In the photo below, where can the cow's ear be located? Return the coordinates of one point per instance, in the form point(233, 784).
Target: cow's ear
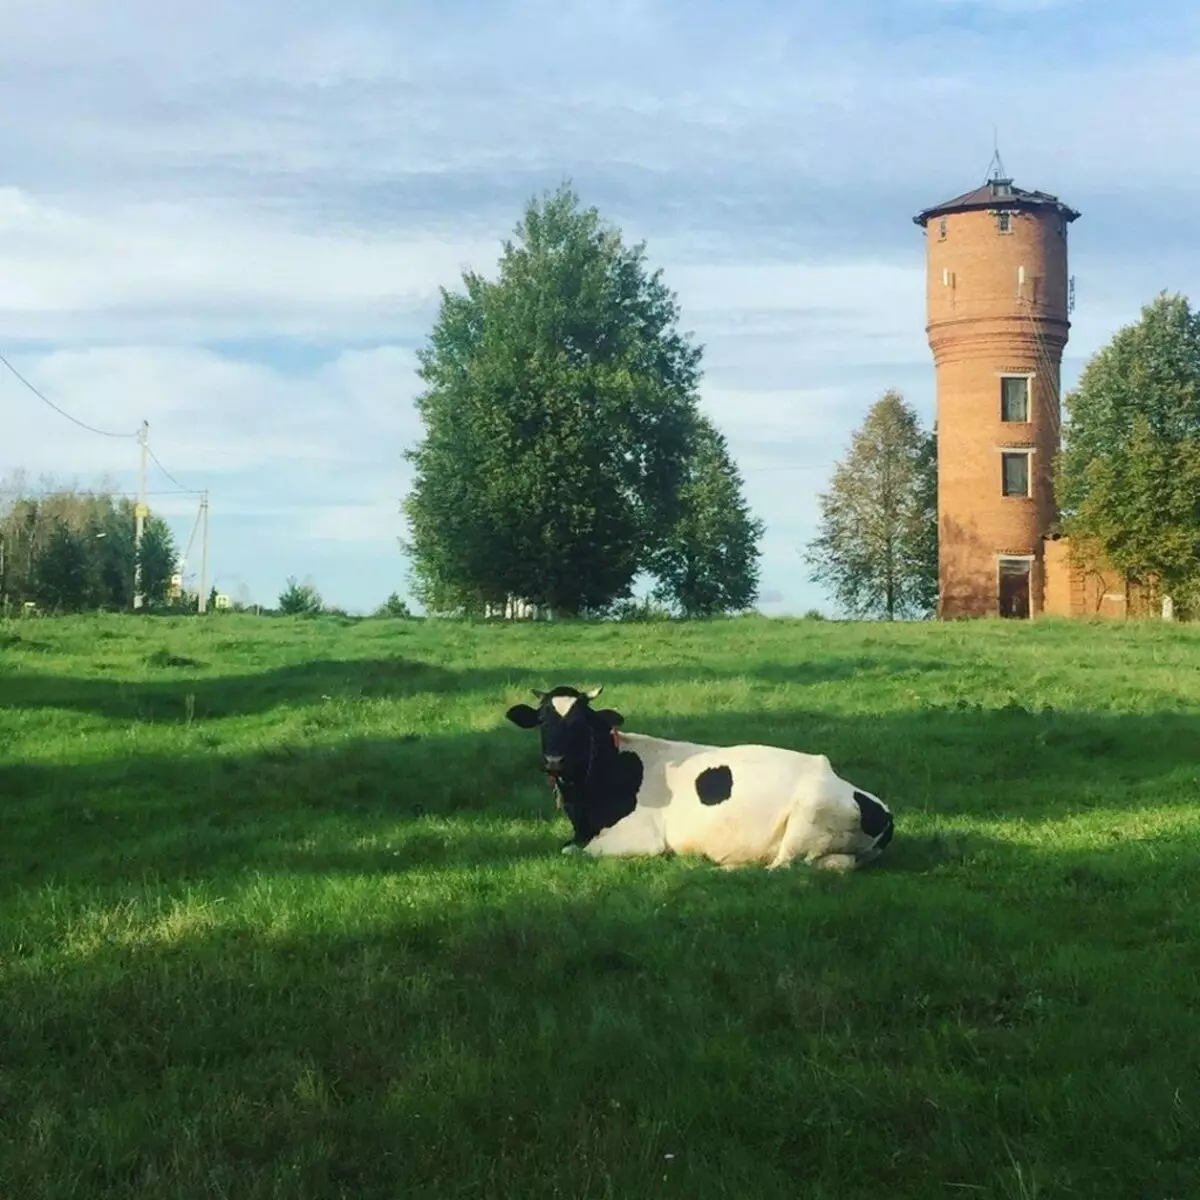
point(611, 715)
point(591, 695)
point(524, 716)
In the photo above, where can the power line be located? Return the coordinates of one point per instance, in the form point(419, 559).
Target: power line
point(62, 411)
point(191, 539)
point(92, 429)
point(190, 491)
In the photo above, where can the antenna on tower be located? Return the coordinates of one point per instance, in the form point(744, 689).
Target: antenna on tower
point(996, 171)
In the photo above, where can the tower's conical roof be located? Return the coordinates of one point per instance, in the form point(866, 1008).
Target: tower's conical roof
point(998, 192)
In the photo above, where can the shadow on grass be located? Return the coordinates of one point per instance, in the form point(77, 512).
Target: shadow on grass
point(376, 805)
point(646, 1030)
point(166, 699)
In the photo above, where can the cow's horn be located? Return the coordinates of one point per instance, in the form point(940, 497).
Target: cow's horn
point(594, 692)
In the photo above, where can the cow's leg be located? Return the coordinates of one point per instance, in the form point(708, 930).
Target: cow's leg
point(826, 862)
point(629, 838)
point(785, 856)
point(811, 835)
point(792, 844)
point(835, 862)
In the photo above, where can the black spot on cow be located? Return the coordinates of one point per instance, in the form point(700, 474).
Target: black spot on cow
point(876, 820)
point(714, 785)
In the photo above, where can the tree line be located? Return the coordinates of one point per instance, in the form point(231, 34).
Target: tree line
point(70, 551)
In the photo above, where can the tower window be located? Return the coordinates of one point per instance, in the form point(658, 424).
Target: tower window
point(1004, 222)
point(1015, 472)
point(1014, 398)
point(942, 229)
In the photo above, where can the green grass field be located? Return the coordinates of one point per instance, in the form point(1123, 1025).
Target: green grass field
point(283, 916)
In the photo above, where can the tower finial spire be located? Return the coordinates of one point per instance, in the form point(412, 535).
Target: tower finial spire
point(996, 166)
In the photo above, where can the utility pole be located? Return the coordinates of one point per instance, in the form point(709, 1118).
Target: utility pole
point(202, 605)
point(140, 513)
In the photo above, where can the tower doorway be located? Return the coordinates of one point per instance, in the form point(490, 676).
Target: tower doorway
point(1014, 577)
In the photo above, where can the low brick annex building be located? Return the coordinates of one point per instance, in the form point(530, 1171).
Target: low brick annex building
point(998, 298)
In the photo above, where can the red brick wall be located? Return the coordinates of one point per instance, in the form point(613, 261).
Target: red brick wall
point(1077, 588)
point(1058, 599)
point(984, 322)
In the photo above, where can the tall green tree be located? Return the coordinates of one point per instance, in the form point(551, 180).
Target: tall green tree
point(876, 546)
point(558, 405)
point(61, 575)
point(922, 549)
point(708, 562)
point(1128, 479)
point(159, 557)
point(110, 539)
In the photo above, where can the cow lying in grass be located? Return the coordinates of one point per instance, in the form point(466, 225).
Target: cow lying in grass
point(629, 794)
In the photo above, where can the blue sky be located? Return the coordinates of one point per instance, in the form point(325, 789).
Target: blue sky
point(234, 223)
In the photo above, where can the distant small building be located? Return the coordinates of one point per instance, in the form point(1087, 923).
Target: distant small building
point(222, 601)
point(513, 609)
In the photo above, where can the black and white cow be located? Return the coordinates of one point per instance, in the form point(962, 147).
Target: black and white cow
point(629, 794)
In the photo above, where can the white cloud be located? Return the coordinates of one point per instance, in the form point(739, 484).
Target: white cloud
point(211, 415)
point(174, 272)
point(764, 418)
point(851, 286)
point(346, 523)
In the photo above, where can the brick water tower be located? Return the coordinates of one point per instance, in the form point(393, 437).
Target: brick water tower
point(998, 300)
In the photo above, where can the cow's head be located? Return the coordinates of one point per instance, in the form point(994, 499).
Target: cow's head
point(573, 733)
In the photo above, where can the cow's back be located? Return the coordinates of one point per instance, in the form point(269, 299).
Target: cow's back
point(733, 803)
